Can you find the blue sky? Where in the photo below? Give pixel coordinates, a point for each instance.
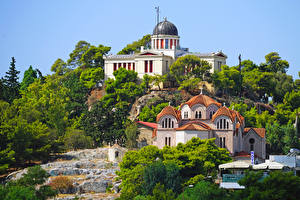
(38, 32)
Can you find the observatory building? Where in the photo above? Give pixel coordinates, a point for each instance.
(163, 51)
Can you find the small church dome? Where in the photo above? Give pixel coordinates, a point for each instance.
(165, 28)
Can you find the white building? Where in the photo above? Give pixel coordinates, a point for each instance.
(165, 49)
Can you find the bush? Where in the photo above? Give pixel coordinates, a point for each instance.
(76, 139)
(62, 184)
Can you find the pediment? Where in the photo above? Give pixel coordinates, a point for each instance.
(147, 53)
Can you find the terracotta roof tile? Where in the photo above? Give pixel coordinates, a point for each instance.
(199, 126)
(224, 111)
(201, 99)
(149, 124)
(169, 110)
(260, 131)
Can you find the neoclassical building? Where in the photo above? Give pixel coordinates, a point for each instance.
(165, 49)
(205, 118)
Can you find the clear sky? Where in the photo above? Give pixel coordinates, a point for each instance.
(38, 32)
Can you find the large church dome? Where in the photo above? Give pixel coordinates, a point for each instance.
(165, 28)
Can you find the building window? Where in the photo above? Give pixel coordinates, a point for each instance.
(124, 65)
(151, 66)
(146, 66)
(133, 66)
(120, 64)
(167, 43)
(222, 142)
(171, 43)
(185, 115)
(172, 124)
(167, 66)
(161, 43)
(218, 125)
(157, 44)
(169, 123)
(129, 66)
(163, 124)
(251, 141)
(167, 141)
(115, 66)
(166, 123)
(198, 115)
(175, 43)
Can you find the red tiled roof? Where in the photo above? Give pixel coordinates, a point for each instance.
(244, 154)
(149, 124)
(168, 110)
(199, 126)
(224, 111)
(201, 99)
(260, 131)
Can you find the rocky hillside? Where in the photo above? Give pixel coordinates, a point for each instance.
(89, 173)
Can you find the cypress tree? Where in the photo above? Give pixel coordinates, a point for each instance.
(11, 83)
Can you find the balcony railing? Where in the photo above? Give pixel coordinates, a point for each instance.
(232, 178)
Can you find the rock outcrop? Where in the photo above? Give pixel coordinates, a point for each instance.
(91, 174)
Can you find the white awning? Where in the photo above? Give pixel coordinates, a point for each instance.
(268, 165)
(228, 185)
(235, 165)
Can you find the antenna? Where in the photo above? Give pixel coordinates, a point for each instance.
(157, 14)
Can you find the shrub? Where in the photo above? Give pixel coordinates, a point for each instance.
(76, 139)
(62, 184)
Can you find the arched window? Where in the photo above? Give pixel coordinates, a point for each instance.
(169, 123)
(227, 125)
(163, 124)
(251, 141)
(196, 115)
(210, 114)
(221, 123)
(166, 123)
(185, 115)
(218, 125)
(172, 124)
(200, 115)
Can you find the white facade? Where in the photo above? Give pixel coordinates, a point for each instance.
(165, 49)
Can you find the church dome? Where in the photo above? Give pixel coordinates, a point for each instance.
(165, 28)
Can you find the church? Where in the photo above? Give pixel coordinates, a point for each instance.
(205, 118)
(157, 59)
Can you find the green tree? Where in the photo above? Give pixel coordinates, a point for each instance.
(27, 186)
(189, 66)
(11, 83)
(281, 138)
(197, 158)
(167, 174)
(149, 115)
(227, 80)
(158, 79)
(277, 185)
(190, 84)
(104, 123)
(204, 190)
(89, 77)
(131, 133)
(135, 46)
(75, 139)
(275, 64)
(59, 67)
(29, 76)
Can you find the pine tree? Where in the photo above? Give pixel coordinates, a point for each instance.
(11, 82)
